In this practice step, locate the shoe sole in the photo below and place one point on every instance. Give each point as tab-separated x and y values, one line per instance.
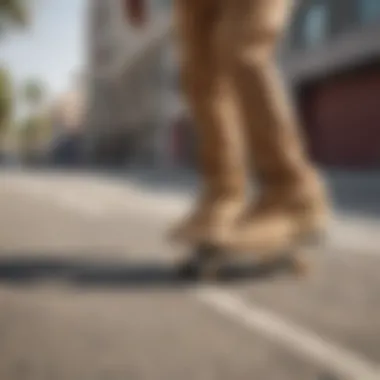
212	263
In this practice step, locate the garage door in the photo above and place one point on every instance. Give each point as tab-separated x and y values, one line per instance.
343	120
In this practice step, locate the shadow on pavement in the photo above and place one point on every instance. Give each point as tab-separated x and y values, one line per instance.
87	273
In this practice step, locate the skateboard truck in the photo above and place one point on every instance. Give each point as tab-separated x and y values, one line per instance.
204	263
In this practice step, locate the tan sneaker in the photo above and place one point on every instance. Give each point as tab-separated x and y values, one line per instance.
211	221
280	219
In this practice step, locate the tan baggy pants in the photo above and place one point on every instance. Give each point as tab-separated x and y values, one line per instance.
244	121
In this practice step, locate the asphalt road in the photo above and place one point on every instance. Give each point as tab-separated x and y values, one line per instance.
88	290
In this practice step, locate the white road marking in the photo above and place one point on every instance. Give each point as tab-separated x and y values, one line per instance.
93	200
76	203
290	336
68	199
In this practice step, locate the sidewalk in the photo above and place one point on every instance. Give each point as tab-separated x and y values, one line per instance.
165	196
356	198
353	193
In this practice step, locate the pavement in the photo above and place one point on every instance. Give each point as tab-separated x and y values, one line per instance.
88	290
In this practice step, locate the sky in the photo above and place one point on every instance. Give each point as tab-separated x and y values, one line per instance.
52	50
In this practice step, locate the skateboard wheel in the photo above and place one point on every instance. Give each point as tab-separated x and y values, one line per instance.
300	266
209	270
203	264
189	268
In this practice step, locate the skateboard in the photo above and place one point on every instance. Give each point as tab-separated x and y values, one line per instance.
204	263
209	262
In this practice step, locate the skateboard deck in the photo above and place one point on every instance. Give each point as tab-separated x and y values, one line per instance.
212	263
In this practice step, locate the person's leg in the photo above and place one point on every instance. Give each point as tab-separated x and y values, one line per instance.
205	79
291	202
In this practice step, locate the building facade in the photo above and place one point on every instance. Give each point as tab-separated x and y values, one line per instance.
331	56
66	118
125	79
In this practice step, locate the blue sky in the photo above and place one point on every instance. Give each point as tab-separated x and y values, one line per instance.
52	49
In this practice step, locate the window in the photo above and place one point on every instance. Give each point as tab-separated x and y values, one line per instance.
166	3
316	25
369	10
103	54
135	11
101	16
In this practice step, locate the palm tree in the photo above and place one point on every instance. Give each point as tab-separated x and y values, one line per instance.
6	99
13	13
34	93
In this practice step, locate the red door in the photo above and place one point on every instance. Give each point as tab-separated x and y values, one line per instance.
135	11
343	117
